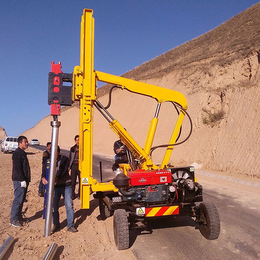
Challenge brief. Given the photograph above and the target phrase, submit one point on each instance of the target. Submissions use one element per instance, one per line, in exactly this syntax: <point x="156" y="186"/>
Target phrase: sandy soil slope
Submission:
<point x="93" y="241"/>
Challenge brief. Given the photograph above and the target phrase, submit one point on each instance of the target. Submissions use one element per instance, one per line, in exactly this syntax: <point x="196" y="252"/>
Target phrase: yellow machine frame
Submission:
<point x="85" y="90"/>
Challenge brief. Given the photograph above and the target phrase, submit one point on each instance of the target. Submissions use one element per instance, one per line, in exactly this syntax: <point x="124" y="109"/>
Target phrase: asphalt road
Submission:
<point x="179" y="238"/>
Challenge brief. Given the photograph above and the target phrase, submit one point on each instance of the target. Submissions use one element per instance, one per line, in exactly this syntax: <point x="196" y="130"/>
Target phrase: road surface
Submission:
<point x="238" y="207"/>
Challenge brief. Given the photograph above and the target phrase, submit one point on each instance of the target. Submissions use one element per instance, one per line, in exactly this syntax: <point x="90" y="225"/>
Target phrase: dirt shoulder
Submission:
<point x="93" y="241"/>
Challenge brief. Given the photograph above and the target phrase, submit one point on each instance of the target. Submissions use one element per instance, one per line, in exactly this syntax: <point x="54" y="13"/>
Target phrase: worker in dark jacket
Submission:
<point x="62" y="187"/>
<point x="121" y="154"/>
<point x="45" y="156"/>
<point x="21" y="176"/>
<point x="74" y="166"/>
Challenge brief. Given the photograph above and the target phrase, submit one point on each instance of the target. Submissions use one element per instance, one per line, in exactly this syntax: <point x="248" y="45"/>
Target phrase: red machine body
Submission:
<point x="142" y="177"/>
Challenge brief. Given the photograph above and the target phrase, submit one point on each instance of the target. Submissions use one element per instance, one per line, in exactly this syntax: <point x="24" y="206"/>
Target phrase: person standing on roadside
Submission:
<point x="62" y="187"/>
<point x="74" y="166"/>
<point x="45" y="156"/>
<point x="21" y="176"/>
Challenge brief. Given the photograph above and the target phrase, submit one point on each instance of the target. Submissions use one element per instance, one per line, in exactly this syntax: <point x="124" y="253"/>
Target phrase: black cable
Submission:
<point x="166" y="145"/>
<point x="110" y="95"/>
<point x="159" y="146"/>
<point x="179" y="135"/>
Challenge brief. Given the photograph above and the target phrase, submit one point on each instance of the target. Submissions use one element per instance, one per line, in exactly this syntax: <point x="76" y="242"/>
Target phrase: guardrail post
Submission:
<point x="6" y="245"/>
<point x="54" y="144"/>
<point x="51" y="252"/>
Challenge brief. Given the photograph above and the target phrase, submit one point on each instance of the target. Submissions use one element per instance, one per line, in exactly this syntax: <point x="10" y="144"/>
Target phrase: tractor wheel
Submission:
<point x="121" y="229"/>
<point x="209" y="221"/>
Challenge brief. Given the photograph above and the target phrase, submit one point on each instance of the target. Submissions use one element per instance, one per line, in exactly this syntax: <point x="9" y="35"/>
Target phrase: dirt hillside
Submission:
<point x="2" y="133"/>
<point x="218" y="73"/>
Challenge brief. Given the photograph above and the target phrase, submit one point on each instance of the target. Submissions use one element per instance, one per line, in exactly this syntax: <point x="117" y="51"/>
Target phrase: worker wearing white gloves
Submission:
<point x="21" y="176"/>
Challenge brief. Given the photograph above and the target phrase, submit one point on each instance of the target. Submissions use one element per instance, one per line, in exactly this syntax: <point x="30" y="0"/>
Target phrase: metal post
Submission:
<point x="100" y="170"/>
<point x="54" y="144"/>
<point x="6" y="245"/>
<point x="51" y="252"/>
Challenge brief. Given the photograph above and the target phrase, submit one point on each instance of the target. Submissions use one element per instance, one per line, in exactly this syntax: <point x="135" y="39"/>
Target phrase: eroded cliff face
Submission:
<point x="224" y="105"/>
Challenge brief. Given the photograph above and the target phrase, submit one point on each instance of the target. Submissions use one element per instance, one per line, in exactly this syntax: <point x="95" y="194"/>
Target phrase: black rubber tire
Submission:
<point x="209" y="221"/>
<point x="121" y="229"/>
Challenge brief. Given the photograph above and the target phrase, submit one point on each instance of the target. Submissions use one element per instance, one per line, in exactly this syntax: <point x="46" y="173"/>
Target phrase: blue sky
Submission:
<point x="127" y="34"/>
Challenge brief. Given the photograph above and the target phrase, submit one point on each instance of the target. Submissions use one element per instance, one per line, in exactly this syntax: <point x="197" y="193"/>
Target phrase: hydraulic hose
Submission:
<point x="110" y="96"/>
<point x="127" y="193"/>
<point x="179" y="135"/>
<point x="166" y="145"/>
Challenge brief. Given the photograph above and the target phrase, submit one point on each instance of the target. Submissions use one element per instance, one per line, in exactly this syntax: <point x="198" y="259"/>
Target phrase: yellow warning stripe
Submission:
<point x="170" y="210"/>
<point x="163" y="211"/>
<point x="153" y="212"/>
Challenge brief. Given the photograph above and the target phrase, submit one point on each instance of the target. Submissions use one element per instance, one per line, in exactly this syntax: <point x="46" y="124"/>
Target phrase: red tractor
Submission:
<point x="156" y="193"/>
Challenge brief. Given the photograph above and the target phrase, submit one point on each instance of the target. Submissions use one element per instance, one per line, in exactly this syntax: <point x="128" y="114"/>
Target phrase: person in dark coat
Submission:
<point x="62" y="187"/>
<point x="21" y="176"/>
<point x="121" y="154"/>
<point x="74" y="166"/>
<point x="45" y="156"/>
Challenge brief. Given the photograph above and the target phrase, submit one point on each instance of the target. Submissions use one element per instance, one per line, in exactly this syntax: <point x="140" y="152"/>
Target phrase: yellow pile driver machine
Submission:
<point x="141" y="189"/>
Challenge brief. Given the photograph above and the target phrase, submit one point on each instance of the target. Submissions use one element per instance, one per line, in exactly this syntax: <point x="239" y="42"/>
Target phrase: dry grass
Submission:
<point x="211" y="118"/>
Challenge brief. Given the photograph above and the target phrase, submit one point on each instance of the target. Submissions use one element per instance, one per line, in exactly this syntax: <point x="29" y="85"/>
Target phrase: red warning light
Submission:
<point x="56" y="89"/>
